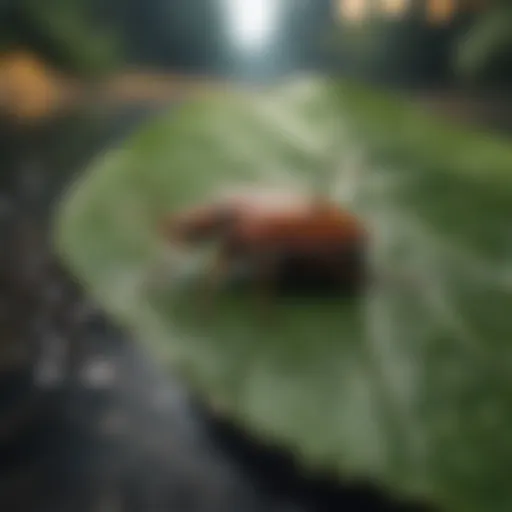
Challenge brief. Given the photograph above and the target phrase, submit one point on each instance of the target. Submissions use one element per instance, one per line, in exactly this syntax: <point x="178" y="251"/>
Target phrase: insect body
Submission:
<point x="286" y="241"/>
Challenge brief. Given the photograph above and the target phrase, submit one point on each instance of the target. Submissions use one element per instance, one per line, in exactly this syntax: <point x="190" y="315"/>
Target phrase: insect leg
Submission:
<point x="214" y="279"/>
<point x="264" y="282"/>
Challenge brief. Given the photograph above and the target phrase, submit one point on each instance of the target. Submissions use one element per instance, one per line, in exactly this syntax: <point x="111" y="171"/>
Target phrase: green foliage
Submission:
<point x="358" y="45"/>
<point x="400" y="50"/>
<point x="484" y="52"/>
<point x="63" y="31"/>
<point x="410" y="385"/>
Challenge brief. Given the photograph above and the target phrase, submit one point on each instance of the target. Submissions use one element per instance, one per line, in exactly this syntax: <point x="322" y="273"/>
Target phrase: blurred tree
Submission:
<point x="399" y="47"/>
<point x="484" y="52"/>
<point x="414" y="42"/>
<point x="60" y="31"/>
<point x="187" y="35"/>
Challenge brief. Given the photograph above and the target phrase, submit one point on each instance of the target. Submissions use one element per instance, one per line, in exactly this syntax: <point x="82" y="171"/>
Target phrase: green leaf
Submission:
<point x="410" y="385"/>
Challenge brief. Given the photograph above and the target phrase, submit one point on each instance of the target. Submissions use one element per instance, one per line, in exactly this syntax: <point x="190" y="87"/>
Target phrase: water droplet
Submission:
<point x="99" y="374"/>
<point x="167" y="397"/>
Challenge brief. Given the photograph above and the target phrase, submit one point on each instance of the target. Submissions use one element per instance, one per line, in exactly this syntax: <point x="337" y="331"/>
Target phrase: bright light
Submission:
<point x="251" y="21"/>
<point x="352" y="10"/>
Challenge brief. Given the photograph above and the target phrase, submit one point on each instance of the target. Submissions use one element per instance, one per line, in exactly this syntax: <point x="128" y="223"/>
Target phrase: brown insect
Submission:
<point x="287" y="242"/>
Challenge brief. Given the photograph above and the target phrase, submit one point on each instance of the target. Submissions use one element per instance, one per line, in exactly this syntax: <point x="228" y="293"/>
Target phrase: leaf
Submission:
<point x="409" y="386"/>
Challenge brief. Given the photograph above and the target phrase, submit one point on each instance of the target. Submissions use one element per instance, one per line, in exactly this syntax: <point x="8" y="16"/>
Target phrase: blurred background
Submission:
<point x="86" y="422"/>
